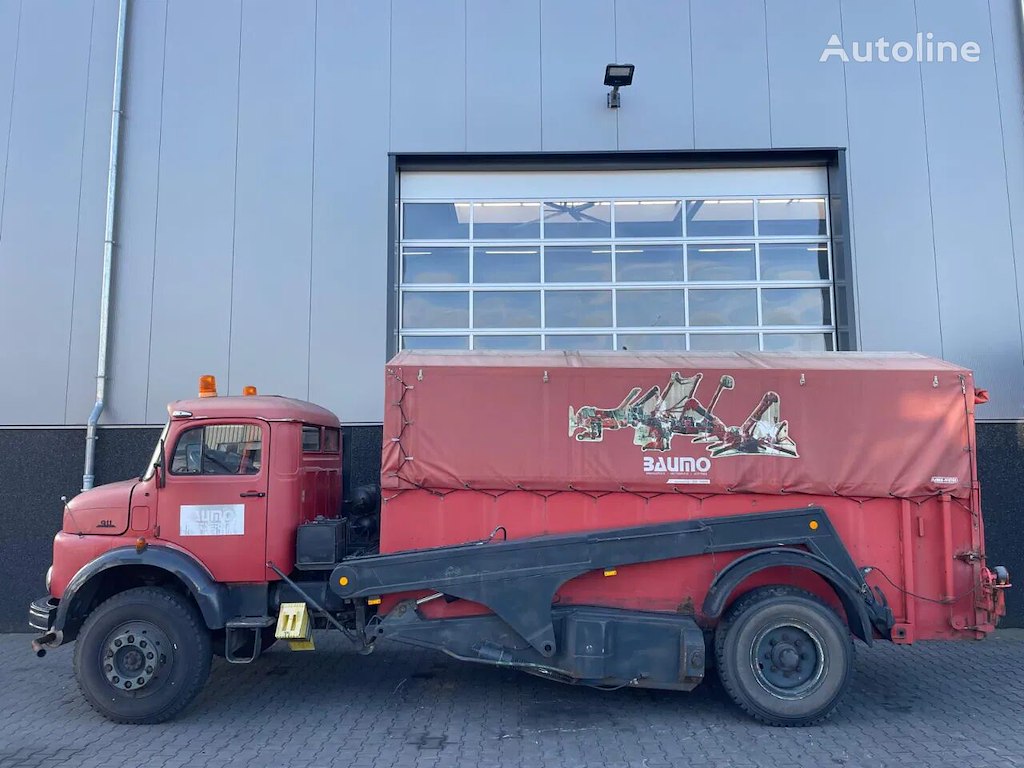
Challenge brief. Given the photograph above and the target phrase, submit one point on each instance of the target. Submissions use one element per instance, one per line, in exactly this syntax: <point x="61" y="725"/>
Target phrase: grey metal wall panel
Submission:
<point x="350" y="199"/>
<point x="503" y="76"/>
<point x="195" y="220"/>
<point x="1007" y="54"/>
<point x="82" y="356"/>
<point x="308" y="221"/>
<point x="891" y="220"/>
<point x="978" y="300"/>
<point x="808" y="97"/>
<point x="658" y="107"/>
<point x="273" y="199"/>
<point x="428" y="76"/>
<point x="10" y="24"/>
<point x="577" y="41"/>
<point x="730" y="74"/>
<point x="132" y="298"/>
<point x="39" y="229"/>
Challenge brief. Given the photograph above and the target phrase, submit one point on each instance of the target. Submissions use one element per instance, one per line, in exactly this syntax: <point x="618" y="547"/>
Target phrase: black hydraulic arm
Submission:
<point x="518" y="579"/>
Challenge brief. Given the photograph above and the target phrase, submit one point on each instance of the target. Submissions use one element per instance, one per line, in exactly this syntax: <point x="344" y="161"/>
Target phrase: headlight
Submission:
<point x="49" y="575"/>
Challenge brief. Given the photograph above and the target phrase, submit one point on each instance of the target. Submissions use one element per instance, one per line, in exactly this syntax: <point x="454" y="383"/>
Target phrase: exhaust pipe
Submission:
<point x="51" y="639"/>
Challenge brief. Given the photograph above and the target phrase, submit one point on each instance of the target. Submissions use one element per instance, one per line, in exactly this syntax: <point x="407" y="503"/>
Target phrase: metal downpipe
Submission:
<point x="88" y="476"/>
<point x="1020" y="35"/>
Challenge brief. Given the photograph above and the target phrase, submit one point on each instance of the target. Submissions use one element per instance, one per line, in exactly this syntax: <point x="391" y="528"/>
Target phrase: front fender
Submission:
<point x="209" y="595"/>
<point x="862" y="611"/>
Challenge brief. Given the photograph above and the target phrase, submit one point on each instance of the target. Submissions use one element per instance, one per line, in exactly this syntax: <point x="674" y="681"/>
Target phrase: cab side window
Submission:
<point x="219" y="449"/>
<point x="310" y="439"/>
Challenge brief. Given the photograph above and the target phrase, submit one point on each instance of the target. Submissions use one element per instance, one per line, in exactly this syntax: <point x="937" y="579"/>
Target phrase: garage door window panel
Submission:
<point x="506" y="221"/>
<point x="584" y="264"/>
<point x="577" y="220"/>
<point x="671" y="273"/>
<point x="794" y="261"/>
<point x="582" y="342"/>
<point x="726" y="307"/>
<point x="796" y="306"/>
<point x="649" y="263"/>
<point x="648" y="218"/>
<point x="507" y="342"/>
<point x="435" y="342"/>
<point x="649" y="309"/>
<point x="506" y="309"/>
<point x="718" y="342"/>
<point x="798" y="342"/>
<point x="435" y="309"/>
<point x="668" y="342"/>
<point x="435" y="265"/>
<point x="435" y="221"/>
<point x="579" y="309"/>
<point x="720" y="262"/>
<point x="492" y="264"/>
<point x="792" y="216"/>
<point x="719" y="218"/>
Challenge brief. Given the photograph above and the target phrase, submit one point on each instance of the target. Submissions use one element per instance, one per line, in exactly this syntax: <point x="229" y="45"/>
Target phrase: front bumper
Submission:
<point x="42" y="613"/>
<point x="41" y="616"/>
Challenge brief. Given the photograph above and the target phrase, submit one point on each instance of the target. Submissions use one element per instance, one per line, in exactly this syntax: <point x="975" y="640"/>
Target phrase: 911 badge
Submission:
<point x="659" y="415"/>
<point x="212" y="520"/>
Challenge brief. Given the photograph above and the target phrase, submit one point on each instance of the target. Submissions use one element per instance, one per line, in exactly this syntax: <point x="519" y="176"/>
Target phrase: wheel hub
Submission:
<point x="787" y="659"/>
<point x="134" y="654"/>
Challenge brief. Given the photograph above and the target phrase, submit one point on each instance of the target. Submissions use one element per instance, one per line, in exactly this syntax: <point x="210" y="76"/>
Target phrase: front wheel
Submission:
<point x="142" y="656"/>
<point x="784" y="656"/>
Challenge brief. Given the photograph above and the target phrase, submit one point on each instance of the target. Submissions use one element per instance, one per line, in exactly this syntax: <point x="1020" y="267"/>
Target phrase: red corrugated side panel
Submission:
<point x="846" y="424"/>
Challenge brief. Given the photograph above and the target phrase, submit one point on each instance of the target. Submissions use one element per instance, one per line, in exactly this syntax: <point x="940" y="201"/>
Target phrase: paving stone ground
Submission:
<point x="933" y="704"/>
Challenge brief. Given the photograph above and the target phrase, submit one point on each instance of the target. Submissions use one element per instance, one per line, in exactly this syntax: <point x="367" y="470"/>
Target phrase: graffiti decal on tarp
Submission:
<point x="656" y="416"/>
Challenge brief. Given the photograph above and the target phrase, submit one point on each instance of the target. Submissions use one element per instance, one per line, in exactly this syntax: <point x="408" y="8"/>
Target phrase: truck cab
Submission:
<point x="206" y="492"/>
<point x="229" y="482"/>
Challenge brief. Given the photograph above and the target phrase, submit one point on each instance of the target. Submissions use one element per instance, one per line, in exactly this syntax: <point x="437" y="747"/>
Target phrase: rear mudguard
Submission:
<point x="863" y="611"/>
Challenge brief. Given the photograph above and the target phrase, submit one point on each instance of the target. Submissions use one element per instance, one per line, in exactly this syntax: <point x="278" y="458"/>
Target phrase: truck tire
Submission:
<point x="142" y="656"/>
<point x="784" y="656"/>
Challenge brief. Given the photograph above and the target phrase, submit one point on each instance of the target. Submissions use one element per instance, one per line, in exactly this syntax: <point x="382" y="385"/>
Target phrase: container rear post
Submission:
<point x="903" y="632"/>
<point x="947" y="548"/>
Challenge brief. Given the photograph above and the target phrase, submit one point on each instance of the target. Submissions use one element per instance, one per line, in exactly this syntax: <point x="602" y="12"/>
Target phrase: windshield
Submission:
<point x="151" y="467"/>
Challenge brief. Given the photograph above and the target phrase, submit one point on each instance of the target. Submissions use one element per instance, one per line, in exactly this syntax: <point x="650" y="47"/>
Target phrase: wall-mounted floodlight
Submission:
<point x="617" y="76"/>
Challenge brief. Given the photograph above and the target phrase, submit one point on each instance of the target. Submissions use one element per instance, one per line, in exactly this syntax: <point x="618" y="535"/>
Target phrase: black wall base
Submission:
<point x="38" y="466"/>
<point x="1001" y="474"/>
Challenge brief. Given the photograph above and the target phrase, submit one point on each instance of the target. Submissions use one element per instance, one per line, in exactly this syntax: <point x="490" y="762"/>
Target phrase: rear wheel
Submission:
<point x="142" y="656"/>
<point x="784" y="656"/>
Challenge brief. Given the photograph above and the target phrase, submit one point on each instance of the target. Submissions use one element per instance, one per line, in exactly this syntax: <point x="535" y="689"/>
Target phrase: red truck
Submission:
<point x="605" y="520"/>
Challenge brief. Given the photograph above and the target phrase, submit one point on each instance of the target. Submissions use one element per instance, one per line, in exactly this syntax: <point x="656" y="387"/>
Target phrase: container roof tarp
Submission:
<point x="849" y="424"/>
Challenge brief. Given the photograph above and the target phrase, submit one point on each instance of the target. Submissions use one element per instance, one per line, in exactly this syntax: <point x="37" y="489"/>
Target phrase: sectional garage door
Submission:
<point x="735" y="259"/>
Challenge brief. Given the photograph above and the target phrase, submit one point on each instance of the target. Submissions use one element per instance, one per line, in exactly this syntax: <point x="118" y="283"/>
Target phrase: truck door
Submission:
<point x="214" y="501"/>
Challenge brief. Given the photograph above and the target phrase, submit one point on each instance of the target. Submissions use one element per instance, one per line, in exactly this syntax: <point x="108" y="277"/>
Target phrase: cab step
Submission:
<point x="239" y="632"/>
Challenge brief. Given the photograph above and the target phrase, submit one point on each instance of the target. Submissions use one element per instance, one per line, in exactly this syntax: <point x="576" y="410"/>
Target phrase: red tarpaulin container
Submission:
<point x="842" y="424"/>
<point x="485" y="444"/>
